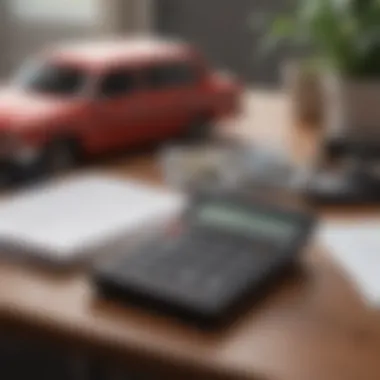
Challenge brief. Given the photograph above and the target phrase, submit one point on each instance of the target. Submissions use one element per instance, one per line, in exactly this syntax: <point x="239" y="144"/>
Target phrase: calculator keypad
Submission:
<point x="200" y="271"/>
<point x="195" y="268"/>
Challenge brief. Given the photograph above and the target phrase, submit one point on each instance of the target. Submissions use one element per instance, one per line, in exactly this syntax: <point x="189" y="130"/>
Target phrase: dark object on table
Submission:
<point x="227" y="249"/>
<point x="357" y="183"/>
<point x="343" y="148"/>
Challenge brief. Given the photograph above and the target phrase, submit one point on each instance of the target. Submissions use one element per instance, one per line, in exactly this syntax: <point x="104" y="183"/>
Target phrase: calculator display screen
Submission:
<point x="256" y="224"/>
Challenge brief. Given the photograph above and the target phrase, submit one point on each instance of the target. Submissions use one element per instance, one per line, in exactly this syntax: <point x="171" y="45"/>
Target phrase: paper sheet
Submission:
<point x="65" y="218"/>
<point x="355" y="246"/>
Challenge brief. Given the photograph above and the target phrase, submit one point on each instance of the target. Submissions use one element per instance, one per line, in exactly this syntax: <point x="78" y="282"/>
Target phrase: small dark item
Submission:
<point x="354" y="147"/>
<point x="357" y="184"/>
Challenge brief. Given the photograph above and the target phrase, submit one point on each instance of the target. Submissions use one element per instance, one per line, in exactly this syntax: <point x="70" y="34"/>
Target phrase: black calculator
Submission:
<point x="225" y="249"/>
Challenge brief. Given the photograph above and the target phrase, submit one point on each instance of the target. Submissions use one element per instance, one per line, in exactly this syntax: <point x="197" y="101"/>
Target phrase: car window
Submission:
<point x="170" y="75"/>
<point x="117" y="84"/>
<point x="52" y="78"/>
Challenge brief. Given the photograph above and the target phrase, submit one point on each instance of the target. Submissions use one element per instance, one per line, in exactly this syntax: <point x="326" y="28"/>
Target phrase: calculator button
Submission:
<point x="214" y="285"/>
<point x="188" y="276"/>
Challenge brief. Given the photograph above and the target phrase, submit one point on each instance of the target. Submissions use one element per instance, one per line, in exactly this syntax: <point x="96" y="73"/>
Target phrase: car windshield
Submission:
<point x="51" y="78"/>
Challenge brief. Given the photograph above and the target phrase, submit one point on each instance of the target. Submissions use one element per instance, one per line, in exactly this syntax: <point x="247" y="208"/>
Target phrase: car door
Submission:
<point x="170" y="89"/>
<point x="119" y="111"/>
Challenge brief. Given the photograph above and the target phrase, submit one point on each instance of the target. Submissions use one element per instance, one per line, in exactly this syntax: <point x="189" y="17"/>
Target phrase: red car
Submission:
<point x="91" y="98"/>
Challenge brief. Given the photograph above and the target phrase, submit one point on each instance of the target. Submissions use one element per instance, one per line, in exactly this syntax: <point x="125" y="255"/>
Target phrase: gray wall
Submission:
<point x="26" y="39"/>
<point x="3" y="38"/>
<point x="220" y="28"/>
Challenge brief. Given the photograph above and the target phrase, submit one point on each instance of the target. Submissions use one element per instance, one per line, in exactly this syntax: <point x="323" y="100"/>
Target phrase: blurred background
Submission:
<point x="222" y="32"/>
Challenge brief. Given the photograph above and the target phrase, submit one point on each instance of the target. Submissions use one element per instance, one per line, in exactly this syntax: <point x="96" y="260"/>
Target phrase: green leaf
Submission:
<point x="345" y="34"/>
<point x="283" y="26"/>
<point x="269" y="45"/>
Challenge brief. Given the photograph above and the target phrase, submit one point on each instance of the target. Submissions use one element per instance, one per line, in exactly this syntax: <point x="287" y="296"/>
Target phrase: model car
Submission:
<point x="90" y="98"/>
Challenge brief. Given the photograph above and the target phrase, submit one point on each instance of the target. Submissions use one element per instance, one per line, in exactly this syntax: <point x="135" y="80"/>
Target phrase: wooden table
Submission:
<point x="313" y="327"/>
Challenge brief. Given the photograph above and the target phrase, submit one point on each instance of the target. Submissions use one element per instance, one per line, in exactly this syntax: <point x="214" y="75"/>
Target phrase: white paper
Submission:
<point x="355" y="246"/>
<point x="63" y="219"/>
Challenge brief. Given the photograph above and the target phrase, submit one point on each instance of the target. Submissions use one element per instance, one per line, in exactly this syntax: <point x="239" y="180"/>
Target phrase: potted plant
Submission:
<point x="343" y="41"/>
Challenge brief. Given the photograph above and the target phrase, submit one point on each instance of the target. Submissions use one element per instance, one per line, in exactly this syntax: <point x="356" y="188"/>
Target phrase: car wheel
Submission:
<point x="60" y="156"/>
<point x="200" y="129"/>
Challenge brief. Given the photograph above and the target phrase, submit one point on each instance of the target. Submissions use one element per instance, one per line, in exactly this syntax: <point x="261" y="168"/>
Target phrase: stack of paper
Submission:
<point x="62" y="221"/>
<point x="356" y="247"/>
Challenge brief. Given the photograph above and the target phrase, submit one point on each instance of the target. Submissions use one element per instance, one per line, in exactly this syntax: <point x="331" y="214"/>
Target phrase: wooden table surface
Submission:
<point x="313" y="327"/>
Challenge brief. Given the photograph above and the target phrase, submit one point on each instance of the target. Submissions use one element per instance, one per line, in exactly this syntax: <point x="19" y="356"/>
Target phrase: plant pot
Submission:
<point x="352" y="115"/>
<point x="304" y="89"/>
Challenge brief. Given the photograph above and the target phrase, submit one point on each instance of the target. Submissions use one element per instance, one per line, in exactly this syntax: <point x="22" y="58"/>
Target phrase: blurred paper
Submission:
<point x="355" y="246"/>
<point x="60" y="221"/>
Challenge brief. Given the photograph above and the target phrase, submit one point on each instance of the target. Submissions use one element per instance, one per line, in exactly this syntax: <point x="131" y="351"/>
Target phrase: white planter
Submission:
<point x="352" y="109"/>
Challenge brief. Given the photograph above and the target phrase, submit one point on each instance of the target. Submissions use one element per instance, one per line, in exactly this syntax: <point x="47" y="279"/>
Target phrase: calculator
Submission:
<point x="224" y="251"/>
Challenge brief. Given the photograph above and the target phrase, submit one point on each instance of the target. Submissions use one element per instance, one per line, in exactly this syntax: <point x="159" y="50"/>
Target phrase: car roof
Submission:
<point x="104" y="53"/>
